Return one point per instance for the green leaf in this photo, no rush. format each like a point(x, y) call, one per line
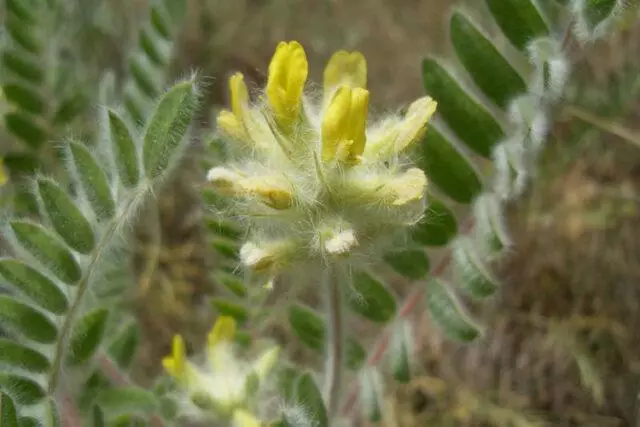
point(447, 312)
point(97, 417)
point(141, 75)
point(22, 163)
point(123, 348)
point(308, 326)
point(308, 396)
point(160, 21)
point(447, 168)
point(86, 336)
point(475, 279)
point(231, 282)
point(370, 298)
point(399, 353)
point(491, 229)
point(355, 354)
point(24, 97)
point(23, 35)
point(21, 10)
point(226, 247)
point(597, 11)
point(438, 227)
point(118, 401)
point(371, 394)
point(124, 150)
point(23, 67)
point(26, 320)
point(33, 284)
point(94, 182)
point(29, 422)
point(47, 249)
point(50, 415)
point(19, 356)
point(8, 414)
point(151, 47)
point(70, 108)
point(66, 218)
point(471, 122)
point(224, 228)
point(167, 127)
point(229, 308)
point(491, 72)
point(25, 128)
point(134, 108)
point(520, 20)
point(24, 390)
point(411, 263)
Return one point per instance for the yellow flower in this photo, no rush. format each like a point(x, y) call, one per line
point(176, 364)
point(343, 125)
point(288, 72)
point(345, 69)
point(233, 122)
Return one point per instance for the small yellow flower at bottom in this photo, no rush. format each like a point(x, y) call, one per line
point(242, 418)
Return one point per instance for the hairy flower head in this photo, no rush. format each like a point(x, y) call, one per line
point(322, 180)
point(224, 384)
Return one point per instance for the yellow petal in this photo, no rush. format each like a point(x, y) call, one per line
point(265, 363)
point(239, 95)
point(175, 364)
point(409, 187)
point(225, 180)
point(345, 69)
point(242, 418)
point(230, 124)
point(272, 195)
point(224, 330)
point(414, 124)
point(358, 121)
point(288, 73)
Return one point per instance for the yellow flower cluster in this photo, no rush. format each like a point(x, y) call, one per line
point(223, 386)
point(316, 179)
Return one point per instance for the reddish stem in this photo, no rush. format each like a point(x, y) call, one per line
point(407, 307)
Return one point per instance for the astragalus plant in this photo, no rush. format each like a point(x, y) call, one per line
point(309, 197)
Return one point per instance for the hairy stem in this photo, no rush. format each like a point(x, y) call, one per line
point(335, 362)
point(82, 287)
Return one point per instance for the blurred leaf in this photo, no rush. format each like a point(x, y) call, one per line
point(24, 390)
point(26, 320)
point(8, 414)
point(474, 277)
point(595, 12)
point(224, 228)
point(14, 355)
point(94, 182)
point(447, 168)
point(124, 150)
point(370, 298)
point(86, 336)
point(151, 47)
point(65, 217)
point(308, 397)
point(70, 108)
point(21, 163)
point(226, 247)
point(399, 354)
point(98, 419)
point(50, 414)
point(33, 284)
point(411, 263)
point(23, 35)
point(134, 108)
point(355, 354)
point(47, 249)
point(118, 401)
point(124, 346)
point(491, 72)
point(143, 77)
point(520, 20)
point(23, 67)
point(21, 10)
point(25, 128)
point(24, 97)
point(160, 21)
point(229, 308)
point(308, 326)
point(471, 122)
point(167, 127)
point(231, 282)
point(438, 227)
point(371, 394)
point(447, 312)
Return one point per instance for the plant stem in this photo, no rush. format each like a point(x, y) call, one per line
point(604, 125)
point(82, 287)
point(335, 362)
